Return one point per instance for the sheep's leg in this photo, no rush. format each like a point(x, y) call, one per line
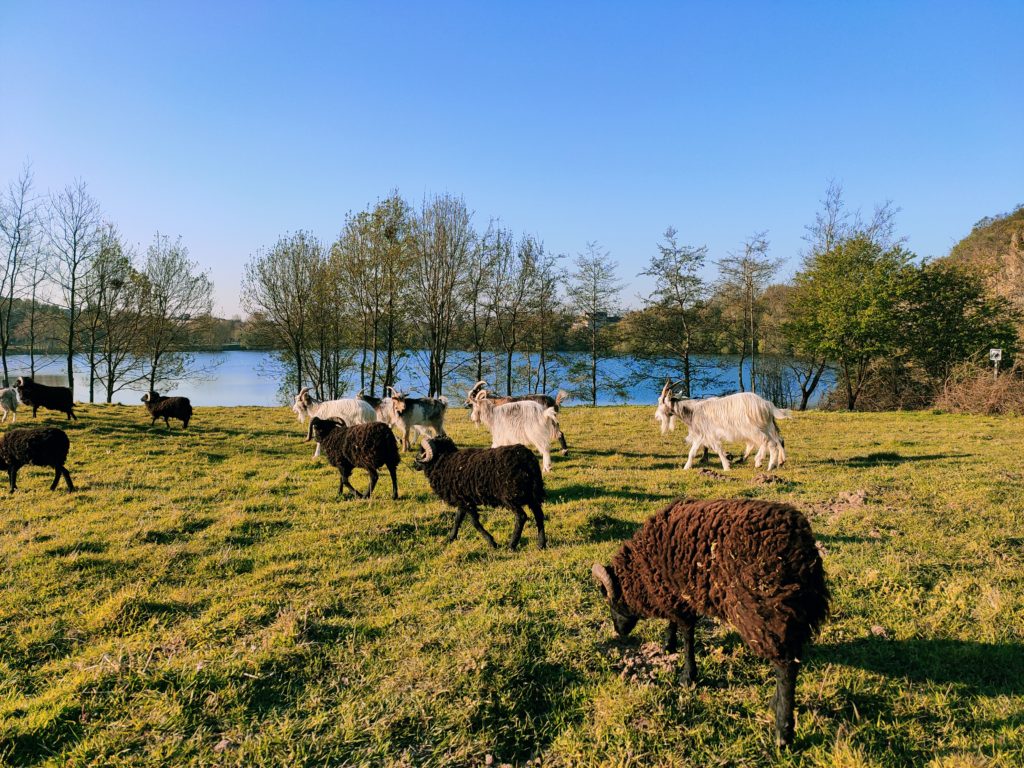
point(34, 409)
point(56, 479)
point(394, 482)
point(12, 475)
point(672, 637)
point(704, 459)
point(721, 456)
point(67, 478)
point(517, 532)
point(690, 668)
point(474, 517)
point(783, 701)
point(693, 454)
point(561, 442)
point(373, 483)
point(345, 482)
point(459, 514)
point(538, 518)
point(167, 421)
point(153, 422)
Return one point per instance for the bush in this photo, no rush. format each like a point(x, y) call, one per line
point(973, 389)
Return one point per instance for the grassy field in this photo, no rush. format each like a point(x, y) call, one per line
point(205, 599)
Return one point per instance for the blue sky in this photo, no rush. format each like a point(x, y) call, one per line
point(231, 124)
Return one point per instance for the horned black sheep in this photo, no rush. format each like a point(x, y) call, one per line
point(38, 396)
point(508, 477)
point(41, 446)
point(167, 408)
point(751, 563)
point(367, 446)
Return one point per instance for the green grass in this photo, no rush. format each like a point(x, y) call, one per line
point(205, 598)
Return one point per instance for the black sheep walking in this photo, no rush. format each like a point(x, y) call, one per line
point(43, 447)
point(751, 563)
point(367, 446)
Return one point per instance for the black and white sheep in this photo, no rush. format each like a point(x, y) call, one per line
point(751, 563)
point(38, 396)
point(366, 446)
point(9, 403)
point(40, 446)
point(494, 477)
point(167, 408)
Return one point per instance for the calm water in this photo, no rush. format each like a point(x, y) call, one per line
point(253, 378)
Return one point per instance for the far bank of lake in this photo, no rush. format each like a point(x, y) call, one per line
point(242, 377)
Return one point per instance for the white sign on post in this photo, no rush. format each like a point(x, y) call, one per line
point(995, 355)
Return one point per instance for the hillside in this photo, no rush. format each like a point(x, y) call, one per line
point(995, 247)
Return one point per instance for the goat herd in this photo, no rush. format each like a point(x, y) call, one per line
point(753, 564)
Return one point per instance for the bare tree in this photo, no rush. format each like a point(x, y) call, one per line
point(18, 233)
point(177, 299)
point(744, 278)
point(112, 318)
point(477, 298)
point(546, 308)
point(593, 292)
point(510, 291)
point(33, 279)
point(73, 236)
point(443, 243)
point(277, 288)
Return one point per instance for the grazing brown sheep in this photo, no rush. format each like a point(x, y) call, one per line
point(41, 446)
point(753, 564)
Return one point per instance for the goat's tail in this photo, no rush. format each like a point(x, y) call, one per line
point(562, 394)
point(782, 413)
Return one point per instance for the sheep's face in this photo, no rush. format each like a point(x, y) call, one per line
point(622, 617)
point(321, 428)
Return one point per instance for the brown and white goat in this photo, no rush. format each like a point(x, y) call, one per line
point(404, 413)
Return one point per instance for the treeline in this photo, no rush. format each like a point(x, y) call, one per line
point(421, 286)
point(71, 284)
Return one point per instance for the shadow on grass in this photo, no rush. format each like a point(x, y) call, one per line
point(582, 492)
point(601, 527)
point(987, 669)
point(891, 459)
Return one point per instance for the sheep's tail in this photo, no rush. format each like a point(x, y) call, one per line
point(562, 394)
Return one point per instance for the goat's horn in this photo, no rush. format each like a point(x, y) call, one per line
point(428, 452)
point(667, 388)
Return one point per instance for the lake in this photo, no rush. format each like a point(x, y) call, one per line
point(253, 378)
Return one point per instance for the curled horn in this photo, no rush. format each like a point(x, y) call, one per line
point(677, 385)
point(602, 577)
point(428, 452)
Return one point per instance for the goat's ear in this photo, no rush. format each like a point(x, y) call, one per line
point(606, 583)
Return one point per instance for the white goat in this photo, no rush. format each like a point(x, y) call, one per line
point(743, 417)
point(350, 409)
point(520, 423)
point(9, 403)
point(404, 413)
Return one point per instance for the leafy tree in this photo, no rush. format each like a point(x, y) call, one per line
point(846, 306)
point(950, 318)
